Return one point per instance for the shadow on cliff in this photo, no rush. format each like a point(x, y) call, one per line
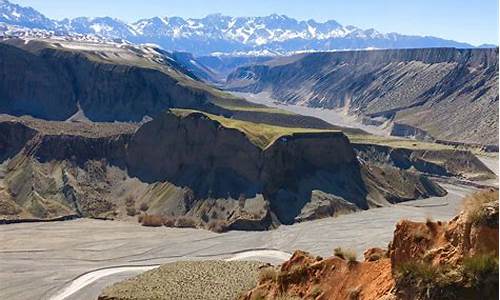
point(288, 201)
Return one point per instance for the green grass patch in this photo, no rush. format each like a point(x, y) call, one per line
point(260, 134)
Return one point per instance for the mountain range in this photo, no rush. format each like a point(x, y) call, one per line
point(219, 34)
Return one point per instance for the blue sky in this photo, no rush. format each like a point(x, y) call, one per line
point(475, 22)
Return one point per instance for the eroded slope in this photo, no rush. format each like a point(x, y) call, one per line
point(449, 94)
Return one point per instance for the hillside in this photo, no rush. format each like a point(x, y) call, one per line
point(433, 94)
point(61, 79)
point(432, 260)
point(192, 168)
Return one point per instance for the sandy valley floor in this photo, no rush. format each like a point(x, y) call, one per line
point(41, 260)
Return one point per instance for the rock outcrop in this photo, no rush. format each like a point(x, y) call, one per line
point(432, 260)
point(442, 162)
point(448, 94)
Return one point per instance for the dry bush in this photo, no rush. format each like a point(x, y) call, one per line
point(421, 234)
point(185, 222)
point(346, 254)
point(315, 291)
point(473, 205)
point(218, 226)
point(131, 211)
point(129, 201)
point(169, 221)
point(268, 274)
point(418, 271)
point(296, 274)
point(152, 220)
point(144, 207)
point(241, 200)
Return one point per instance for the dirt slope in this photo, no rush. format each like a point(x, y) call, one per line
point(433, 260)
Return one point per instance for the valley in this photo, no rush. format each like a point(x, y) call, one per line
point(63, 251)
point(251, 158)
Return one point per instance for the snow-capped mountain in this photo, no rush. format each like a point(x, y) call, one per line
point(13, 14)
point(223, 34)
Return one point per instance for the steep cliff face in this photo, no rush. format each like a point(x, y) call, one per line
point(61, 80)
point(108, 83)
point(449, 93)
point(298, 176)
point(214, 172)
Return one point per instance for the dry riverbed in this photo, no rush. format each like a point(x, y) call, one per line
point(41, 260)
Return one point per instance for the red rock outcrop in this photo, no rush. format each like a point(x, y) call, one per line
point(431, 260)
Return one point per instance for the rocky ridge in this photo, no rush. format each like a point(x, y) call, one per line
point(435, 94)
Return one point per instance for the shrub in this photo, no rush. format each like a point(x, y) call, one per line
point(346, 254)
point(268, 274)
point(316, 291)
point(218, 226)
point(144, 207)
point(129, 201)
point(131, 211)
point(296, 274)
point(169, 221)
point(480, 266)
point(185, 222)
point(241, 200)
point(417, 271)
point(474, 205)
point(152, 220)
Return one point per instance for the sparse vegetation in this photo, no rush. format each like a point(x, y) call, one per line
point(152, 220)
point(481, 266)
point(418, 271)
point(316, 291)
point(354, 293)
point(260, 134)
point(346, 254)
point(169, 221)
point(474, 205)
point(268, 274)
point(421, 234)
point(218, 226)
point(185, 222)
point(131, 211)
point(144, 207)
point(130, 206)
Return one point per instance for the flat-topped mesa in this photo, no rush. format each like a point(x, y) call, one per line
point(189, 144)
point(293, 174)
point(188, 168)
